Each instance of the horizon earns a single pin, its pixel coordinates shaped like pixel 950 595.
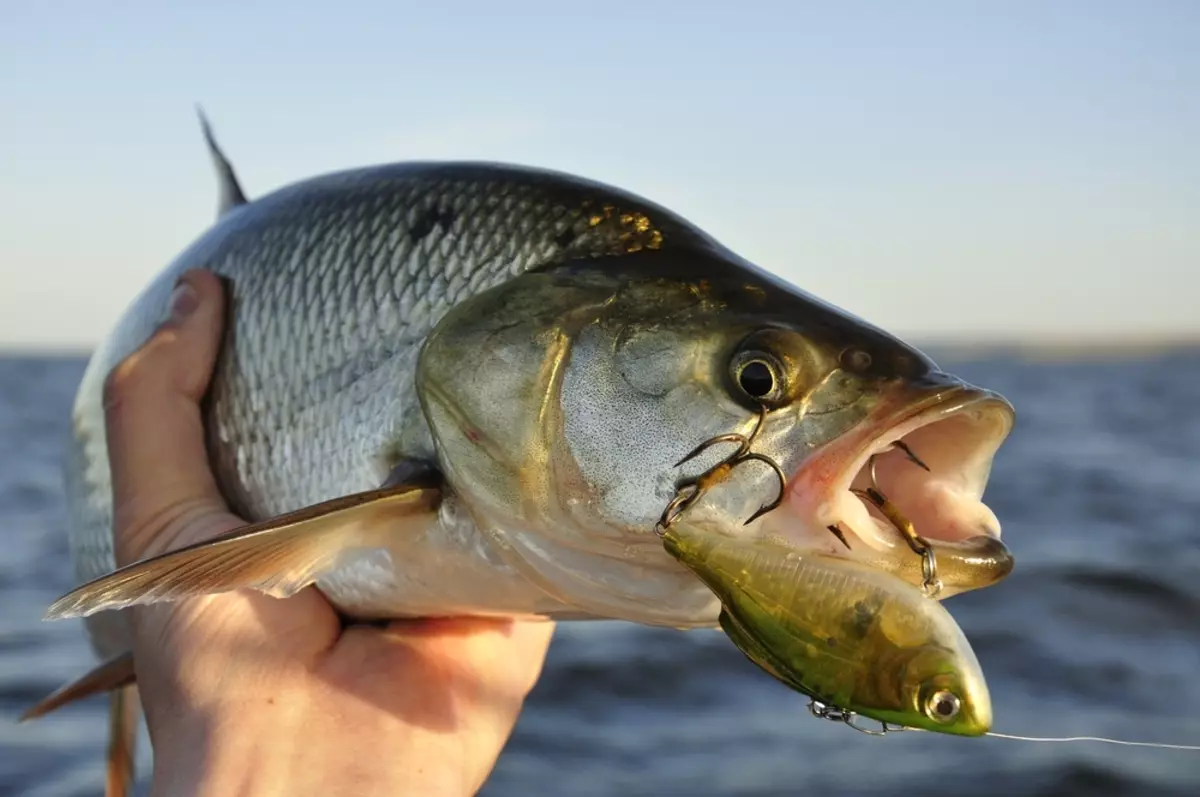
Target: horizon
pixel 1024 175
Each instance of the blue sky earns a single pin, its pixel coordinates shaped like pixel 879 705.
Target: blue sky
pixel 945 169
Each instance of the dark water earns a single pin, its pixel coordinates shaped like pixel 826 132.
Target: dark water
pixel 1097 632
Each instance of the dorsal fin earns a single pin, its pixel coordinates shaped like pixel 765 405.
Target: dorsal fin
pixel 231 192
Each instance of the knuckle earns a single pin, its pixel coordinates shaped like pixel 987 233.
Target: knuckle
pixel 129 377
pixel 120 381
pixel 147 525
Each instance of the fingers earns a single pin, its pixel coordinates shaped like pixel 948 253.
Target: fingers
pixel 155 431
pixel 469 640
pixel 466 681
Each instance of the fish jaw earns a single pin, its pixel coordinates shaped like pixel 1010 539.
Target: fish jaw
pixel 955 429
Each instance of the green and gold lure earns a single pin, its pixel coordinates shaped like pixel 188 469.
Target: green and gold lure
pixel 844 633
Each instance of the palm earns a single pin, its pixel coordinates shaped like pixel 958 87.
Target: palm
pixel 241 688
pixel 454 684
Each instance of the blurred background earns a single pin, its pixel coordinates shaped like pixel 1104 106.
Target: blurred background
pixel 1014 186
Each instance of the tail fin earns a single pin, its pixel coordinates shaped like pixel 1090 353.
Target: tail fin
pixel 231 192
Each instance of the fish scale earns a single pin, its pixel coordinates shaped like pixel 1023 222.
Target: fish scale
pixel 332 296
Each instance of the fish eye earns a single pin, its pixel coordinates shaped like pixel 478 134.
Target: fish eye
pixel 856 360
pixel 943 706
pixel 756 378
pixel 762 371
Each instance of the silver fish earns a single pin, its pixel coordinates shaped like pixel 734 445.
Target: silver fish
pixel 505 366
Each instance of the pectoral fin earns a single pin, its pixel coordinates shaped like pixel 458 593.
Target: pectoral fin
pixel 279 556
pixel 104 677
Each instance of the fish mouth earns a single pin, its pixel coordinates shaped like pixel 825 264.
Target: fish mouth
pixel 927 451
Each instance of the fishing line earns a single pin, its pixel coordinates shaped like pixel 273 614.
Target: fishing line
pixel 849 718
pixel 1101 739
pixel 1097 739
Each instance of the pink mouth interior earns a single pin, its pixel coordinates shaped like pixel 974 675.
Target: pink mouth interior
pixel 943 503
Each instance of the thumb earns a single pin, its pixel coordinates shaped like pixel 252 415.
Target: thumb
pixel 161 479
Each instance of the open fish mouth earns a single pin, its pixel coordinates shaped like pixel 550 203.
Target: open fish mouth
pixel 923 459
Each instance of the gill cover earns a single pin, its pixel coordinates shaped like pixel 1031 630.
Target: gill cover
pixel 559 432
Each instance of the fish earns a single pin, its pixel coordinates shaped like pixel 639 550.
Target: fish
pixel 844 633
pixel 455 388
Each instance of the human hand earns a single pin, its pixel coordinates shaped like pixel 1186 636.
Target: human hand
pixel 251 695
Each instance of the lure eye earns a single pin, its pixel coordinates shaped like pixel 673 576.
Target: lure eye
pixel 943 706
pixel 756 379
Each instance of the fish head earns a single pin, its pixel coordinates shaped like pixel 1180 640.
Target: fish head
pixel 571 406
pixel 850 408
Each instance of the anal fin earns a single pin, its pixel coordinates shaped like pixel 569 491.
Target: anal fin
pixel 124 712
pixel 279 556
pixel 110 675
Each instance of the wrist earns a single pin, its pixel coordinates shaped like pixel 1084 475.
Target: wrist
pixel 202 755
pixel 262 751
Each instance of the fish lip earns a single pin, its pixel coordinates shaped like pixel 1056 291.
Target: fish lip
pixel 819 489
pixel 960 398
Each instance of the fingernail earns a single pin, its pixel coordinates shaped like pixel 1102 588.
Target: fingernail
pixel 184 301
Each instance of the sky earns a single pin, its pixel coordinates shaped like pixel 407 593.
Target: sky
pixel 947 170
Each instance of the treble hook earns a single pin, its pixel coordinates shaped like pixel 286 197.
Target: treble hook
pixel 908 452
pixel 835 714
pixel 919 545
pixel 691 490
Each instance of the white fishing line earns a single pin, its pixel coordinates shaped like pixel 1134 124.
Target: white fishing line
pixel 1098 739
pixel 1101 739
pixel 822 711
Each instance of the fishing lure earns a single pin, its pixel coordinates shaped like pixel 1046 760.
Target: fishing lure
pixel 840 631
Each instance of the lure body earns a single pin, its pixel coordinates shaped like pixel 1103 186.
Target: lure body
pixel 842 632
